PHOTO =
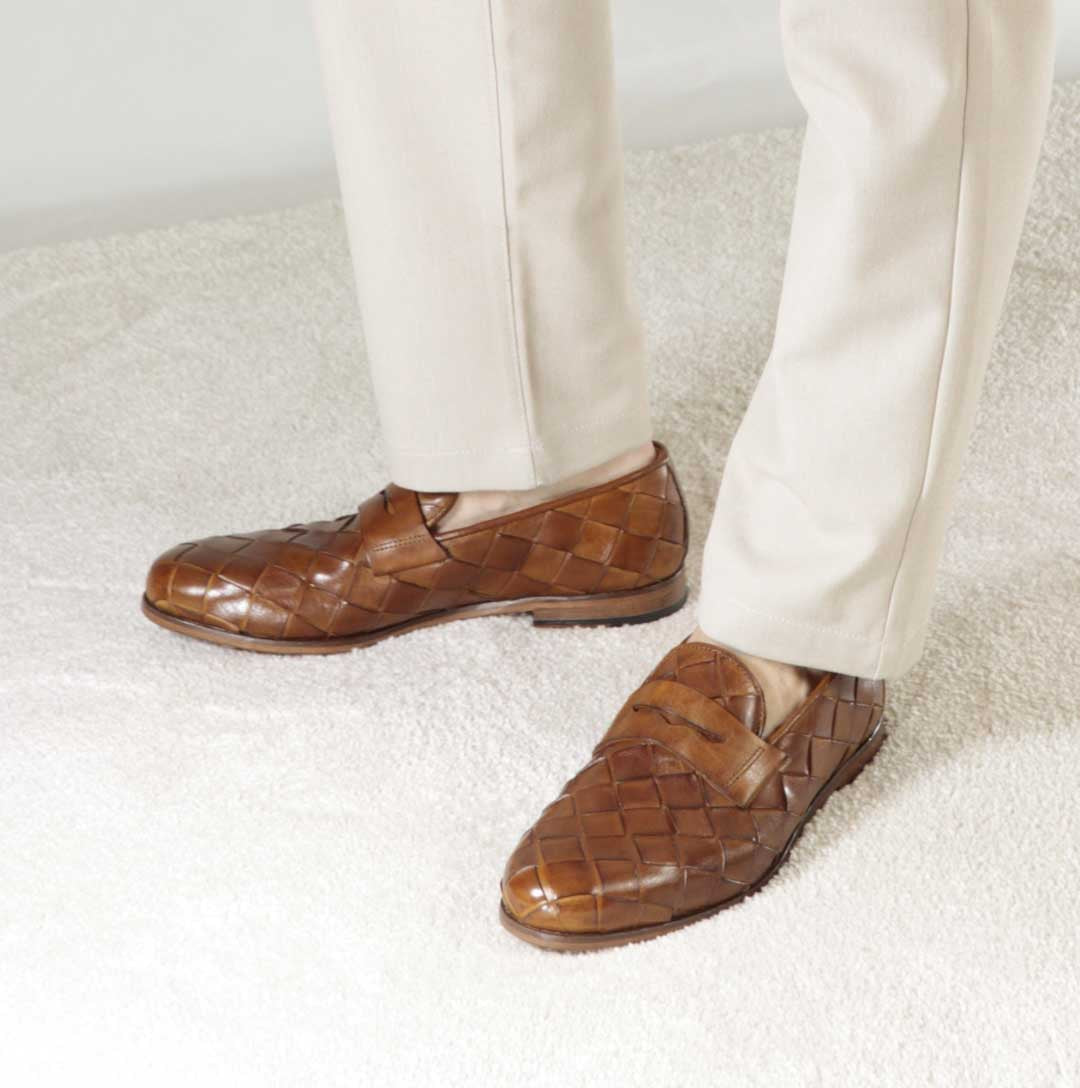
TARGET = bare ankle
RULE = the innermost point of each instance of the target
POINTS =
(784, 686)
(472, 507)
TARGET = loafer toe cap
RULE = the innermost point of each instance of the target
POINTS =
(195, 582)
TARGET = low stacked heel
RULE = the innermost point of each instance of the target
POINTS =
(614, 609)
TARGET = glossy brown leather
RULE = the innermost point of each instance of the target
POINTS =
(388, 564)
(684, 806)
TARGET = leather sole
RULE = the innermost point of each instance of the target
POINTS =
(846, 773)
(597, 609)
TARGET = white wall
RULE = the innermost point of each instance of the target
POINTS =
(127, 113)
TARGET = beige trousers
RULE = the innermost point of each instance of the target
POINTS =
(481, 173)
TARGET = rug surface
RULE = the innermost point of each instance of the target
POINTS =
(225, 869)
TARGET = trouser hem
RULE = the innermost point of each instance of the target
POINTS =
(797, 642)
(518, 468)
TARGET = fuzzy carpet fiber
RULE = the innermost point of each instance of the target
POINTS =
(225, 869)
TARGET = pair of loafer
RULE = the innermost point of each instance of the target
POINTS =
(685, 807)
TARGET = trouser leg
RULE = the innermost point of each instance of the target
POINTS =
(925, 121)
(481, 177)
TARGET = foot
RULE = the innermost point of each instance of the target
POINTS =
(686, 806)
(472, 507)
(783, 686)
(606, 552)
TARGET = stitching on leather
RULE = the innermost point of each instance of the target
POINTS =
(398, 542)
(747, 764)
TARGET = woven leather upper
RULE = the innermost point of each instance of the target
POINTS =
(388, 563)
(675, 815)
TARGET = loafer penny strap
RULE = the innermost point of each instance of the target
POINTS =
(695, 727)
(395, 535)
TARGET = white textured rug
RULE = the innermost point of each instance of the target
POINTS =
(224, 869)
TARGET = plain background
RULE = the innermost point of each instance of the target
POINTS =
(124, 114)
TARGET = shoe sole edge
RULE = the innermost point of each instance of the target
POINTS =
(615, 609)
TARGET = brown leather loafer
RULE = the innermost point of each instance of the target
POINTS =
(610, 554)
(685, 808)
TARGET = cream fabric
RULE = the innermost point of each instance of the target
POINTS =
(482, 181)
(926, 118)
(480, 170)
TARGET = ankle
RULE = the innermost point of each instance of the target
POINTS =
(783, 686)
(472, 507)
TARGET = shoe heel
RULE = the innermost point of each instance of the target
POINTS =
(862, 758)
(614, 609)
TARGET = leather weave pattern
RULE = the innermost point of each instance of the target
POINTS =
(642, 836)
(388, 564)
